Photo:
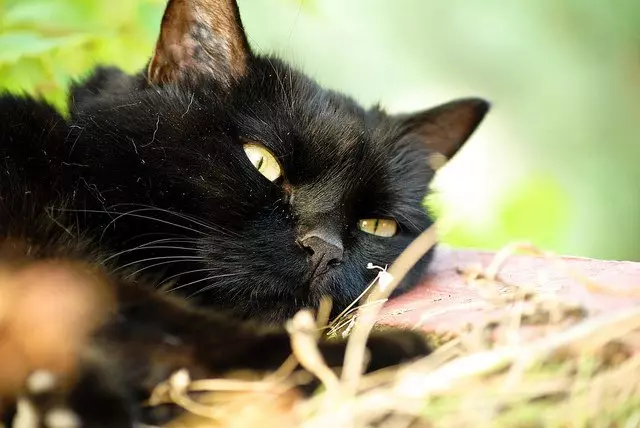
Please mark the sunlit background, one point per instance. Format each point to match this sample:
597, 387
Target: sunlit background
557, 161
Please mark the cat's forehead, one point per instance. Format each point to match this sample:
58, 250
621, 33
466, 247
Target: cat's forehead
296, 116
329, 145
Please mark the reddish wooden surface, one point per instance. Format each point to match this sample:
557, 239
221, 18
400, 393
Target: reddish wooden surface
446, 302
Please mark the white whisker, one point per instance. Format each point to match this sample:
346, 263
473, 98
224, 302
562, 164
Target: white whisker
188, 272
134, 214
188, 217
152, 247
202, 279
169, 258
132, 274
211, 286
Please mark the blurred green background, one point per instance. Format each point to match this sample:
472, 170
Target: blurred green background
556, 162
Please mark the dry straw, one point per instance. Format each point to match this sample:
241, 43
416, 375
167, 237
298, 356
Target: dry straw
577, 371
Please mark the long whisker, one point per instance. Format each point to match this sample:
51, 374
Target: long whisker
152, 247
134, 213
188, 272
188, 217
170, 259
211, 286
202, 279
171, 240
143, 235
167, 236
134, 273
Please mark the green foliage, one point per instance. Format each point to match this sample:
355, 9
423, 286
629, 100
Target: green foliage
514, 220
44, 44
556, 162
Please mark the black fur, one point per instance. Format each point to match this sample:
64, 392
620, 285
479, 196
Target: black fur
150, 183
153, 164
179, 148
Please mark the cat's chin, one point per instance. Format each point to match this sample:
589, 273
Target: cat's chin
277, 310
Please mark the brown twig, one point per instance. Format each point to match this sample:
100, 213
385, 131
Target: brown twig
367, 316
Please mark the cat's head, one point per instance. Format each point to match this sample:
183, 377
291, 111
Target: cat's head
285, 191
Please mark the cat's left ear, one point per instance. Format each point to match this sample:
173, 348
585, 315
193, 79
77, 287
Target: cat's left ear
200, 37
445, 128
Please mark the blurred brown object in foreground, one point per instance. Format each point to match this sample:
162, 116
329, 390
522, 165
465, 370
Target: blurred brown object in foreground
244, 410
48, 309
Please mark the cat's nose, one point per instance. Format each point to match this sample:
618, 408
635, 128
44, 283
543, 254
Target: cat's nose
323, 251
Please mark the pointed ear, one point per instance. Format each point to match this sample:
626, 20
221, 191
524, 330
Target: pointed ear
200, 37
445, 128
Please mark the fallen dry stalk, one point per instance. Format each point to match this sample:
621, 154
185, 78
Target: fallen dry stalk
367, 316
304, 343
412, 384
548, 380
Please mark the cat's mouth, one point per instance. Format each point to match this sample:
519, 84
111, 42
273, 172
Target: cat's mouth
316, 278
318, 272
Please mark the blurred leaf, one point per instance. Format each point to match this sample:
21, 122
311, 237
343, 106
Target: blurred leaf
14, 46
47, 14
22, 75
536, 209
45, 44
563, 76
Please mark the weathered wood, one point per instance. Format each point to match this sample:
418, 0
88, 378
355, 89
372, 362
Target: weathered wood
445, 301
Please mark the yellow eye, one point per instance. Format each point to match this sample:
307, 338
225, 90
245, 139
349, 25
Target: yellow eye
384, 227
264, 161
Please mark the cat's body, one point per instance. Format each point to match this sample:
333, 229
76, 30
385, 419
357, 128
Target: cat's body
223, 176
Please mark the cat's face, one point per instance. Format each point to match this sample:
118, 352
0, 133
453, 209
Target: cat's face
291, 190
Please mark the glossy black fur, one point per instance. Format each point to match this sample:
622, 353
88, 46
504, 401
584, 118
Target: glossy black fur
178, 148
150, 183
152, 334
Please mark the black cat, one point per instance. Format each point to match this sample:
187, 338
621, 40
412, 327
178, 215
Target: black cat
241, 179
226, 177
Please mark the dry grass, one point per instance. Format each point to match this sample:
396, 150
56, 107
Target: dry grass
571, 370
536, 360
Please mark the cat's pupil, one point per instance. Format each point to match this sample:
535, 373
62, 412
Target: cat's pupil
264, 161
382, 227
260, 162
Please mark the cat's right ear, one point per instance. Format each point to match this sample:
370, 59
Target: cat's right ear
200, 37
445, 128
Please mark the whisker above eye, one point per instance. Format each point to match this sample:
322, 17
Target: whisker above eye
408, 220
